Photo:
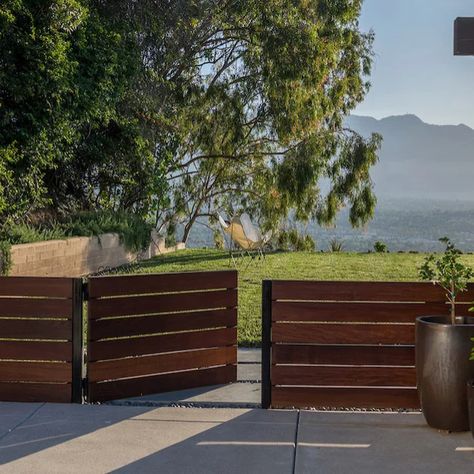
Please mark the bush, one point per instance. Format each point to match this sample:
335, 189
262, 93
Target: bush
380, 247
5, 257
134, 232
292, 240
336, 245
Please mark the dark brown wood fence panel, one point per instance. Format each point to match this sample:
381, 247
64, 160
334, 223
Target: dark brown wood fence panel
344, 376
308, 333
135, 348
162, 383
35, 308
35, 329
355, 312
357, 291
145, 304
141, 346
35, 372
343, 355
156, 364
308, 397
36, 286
38, 317
35, 392
122, 327
160, 283
346, 344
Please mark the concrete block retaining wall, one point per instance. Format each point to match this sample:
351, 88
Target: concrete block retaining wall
79, 256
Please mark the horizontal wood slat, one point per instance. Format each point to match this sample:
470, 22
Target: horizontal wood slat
129, 305
362, 291
171, 362
115, 349
161, 383
36, 286
120, 327
35, 329
36, 350
313, 333
343, 355
354, 312
34, 372
167, 282
35, 308
344, 376
317, 397
35, 392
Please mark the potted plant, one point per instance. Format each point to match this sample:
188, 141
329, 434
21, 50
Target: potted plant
470, 391
443, 346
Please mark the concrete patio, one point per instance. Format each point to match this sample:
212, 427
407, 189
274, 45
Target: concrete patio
50, 438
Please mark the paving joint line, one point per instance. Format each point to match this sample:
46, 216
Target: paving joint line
11, 430
296, 441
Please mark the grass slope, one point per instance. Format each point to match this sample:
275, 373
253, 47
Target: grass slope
288, 266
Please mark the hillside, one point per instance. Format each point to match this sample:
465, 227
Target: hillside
419, 160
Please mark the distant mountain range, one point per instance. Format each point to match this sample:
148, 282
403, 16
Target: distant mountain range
419, 160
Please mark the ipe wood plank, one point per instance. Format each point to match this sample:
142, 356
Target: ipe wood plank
137, 305
354, 312
343, 355
344, 376
36, 350
36, 286
343, 333
171, 362
35, 308
114, 349
161, 383
35, 392
317, 397
35, 372
158, 283
36, 329
120, 327
357, 291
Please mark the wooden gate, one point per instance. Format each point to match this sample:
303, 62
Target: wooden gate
40, 339
161, 332
344, 344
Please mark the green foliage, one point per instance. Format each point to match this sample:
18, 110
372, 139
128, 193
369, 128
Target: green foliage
23, 233
448, 272
5, 257
336, 245
294, 241
380, 247
133, 230
472, 351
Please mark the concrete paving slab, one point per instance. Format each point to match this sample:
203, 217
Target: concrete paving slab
13, 414
375, 442
238, 395
165, 440
249, 372
253, 355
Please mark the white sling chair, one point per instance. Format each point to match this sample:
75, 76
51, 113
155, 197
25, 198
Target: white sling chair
245, 235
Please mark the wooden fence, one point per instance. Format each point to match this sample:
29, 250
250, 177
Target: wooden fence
344, 344
40, 339
156, 333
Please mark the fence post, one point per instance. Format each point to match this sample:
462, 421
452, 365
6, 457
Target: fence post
266, 343
77, 339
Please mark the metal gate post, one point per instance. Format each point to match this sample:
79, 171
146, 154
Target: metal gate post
77, 339
266, 343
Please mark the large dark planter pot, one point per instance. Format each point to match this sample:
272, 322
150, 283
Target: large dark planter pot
443, 369
470, 403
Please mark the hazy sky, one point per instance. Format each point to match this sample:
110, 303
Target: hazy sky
415, 70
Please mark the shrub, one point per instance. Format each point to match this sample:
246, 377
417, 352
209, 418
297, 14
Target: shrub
380, 247
5, 257
336, 245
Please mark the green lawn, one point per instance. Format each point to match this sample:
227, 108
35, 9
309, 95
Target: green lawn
294, 265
